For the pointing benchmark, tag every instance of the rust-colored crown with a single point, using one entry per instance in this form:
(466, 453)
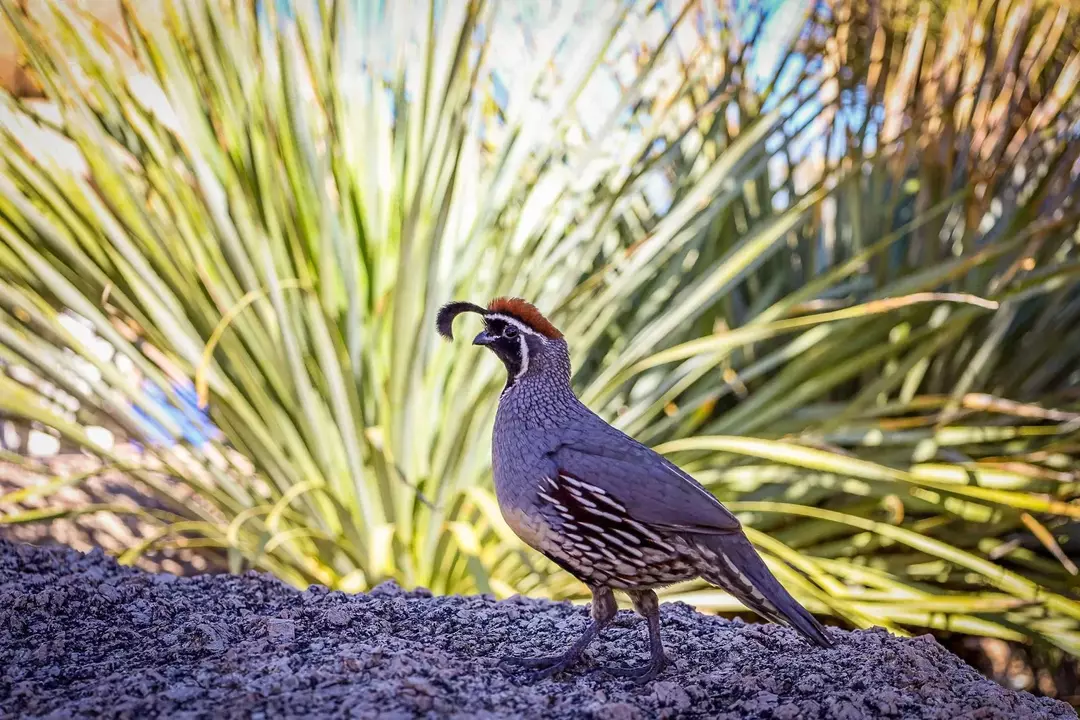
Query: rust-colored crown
(527, 313)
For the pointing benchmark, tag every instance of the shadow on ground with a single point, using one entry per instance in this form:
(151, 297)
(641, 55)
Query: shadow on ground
(81, 636)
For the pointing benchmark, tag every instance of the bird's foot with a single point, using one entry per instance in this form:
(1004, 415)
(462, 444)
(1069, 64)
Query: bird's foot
(543, 666)
(532, 662)
(640, 674)
(548, 666)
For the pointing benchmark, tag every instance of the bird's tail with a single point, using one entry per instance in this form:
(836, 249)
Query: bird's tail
(730, 562)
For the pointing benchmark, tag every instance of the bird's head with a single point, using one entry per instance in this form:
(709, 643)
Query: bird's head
(520, 336)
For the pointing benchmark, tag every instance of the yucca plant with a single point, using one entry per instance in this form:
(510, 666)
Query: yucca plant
(824, 256)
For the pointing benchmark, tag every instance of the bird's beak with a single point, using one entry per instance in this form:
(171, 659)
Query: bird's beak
(483, 339)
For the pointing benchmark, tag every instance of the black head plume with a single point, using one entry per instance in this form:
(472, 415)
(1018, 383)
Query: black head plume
(445, 319)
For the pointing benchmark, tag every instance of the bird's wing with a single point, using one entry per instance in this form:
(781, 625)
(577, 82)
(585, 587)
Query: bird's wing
(653, 490)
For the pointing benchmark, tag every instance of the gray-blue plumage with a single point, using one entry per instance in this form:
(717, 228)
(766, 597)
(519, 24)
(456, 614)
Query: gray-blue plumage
(606, 508)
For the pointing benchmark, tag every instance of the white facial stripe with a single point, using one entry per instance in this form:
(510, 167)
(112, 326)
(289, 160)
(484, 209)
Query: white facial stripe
(524, 358)
(516, 323)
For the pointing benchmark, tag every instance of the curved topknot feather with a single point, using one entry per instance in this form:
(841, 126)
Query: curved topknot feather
(527, 313)
(445, 320)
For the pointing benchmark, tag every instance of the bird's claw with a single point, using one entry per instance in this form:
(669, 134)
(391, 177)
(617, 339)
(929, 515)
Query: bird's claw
(531, 662)
(544, 667)
(640, 674)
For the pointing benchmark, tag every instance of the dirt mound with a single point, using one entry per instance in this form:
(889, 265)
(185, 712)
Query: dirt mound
(81, 636)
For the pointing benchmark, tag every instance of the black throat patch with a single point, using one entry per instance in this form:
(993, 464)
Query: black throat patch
(507, 349)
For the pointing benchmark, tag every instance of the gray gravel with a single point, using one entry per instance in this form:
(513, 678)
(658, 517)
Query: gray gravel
(81, 636)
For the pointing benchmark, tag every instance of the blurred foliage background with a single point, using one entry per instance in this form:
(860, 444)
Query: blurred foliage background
(822, 254)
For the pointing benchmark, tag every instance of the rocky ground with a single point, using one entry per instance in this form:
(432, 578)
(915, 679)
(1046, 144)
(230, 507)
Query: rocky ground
(81, 636)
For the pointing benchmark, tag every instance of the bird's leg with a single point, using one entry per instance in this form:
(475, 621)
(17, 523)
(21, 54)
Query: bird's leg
(602, 611)
(648, 606)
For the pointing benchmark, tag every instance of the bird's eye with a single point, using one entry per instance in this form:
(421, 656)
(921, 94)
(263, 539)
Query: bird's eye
(510, 331)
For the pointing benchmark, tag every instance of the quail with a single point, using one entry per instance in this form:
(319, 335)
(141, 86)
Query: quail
(608, 510)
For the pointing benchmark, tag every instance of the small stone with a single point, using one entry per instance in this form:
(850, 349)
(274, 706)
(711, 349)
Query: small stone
(669, 694)
(182, 693)
(844, 710)
(338, 616)
(787, 711)
(810, 684)
(280, 630)
(419, 684)
(388, 588)
(314, 594)
(617, 711)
